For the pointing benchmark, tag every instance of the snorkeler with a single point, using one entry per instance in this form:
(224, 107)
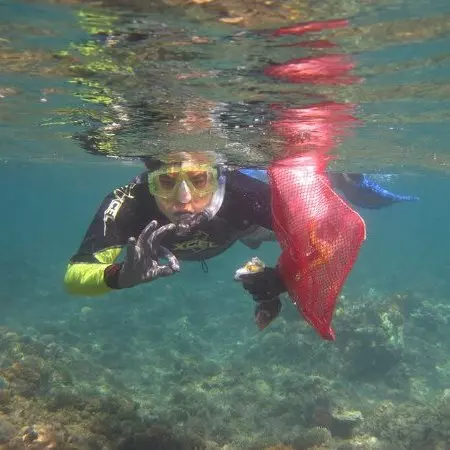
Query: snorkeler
(187, 208)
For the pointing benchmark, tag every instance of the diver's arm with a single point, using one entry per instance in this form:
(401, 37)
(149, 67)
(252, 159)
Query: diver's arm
(85, 275)
(122, 220)
(255, 236)
(248, 202)
(100, 248)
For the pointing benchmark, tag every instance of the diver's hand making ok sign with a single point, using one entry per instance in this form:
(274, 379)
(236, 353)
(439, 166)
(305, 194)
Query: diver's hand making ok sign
(142, 261)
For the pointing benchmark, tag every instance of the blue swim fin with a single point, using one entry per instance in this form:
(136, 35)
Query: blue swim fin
(358, 188)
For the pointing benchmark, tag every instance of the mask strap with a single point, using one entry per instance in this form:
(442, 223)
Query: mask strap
(219, 195)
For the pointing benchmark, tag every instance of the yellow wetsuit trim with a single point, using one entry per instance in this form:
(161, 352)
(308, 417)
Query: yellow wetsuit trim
(87, 278)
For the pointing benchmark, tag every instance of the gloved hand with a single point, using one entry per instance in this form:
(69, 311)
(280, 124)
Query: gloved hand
(141, 263)
(266, 312)
(264, 285)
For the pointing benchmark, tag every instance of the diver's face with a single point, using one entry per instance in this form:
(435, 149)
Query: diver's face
(185, 187)
(184, 202)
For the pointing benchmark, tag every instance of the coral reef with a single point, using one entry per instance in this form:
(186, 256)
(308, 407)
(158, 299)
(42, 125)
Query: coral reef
(284, 389)
(279, 447)
(313, 438)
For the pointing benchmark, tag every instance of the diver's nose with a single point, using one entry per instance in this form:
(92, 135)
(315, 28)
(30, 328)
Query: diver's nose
(184, 194)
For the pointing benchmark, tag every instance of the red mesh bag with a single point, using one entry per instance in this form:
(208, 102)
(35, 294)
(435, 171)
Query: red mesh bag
(324, 69)
(320, 236)
(311, 27)
(319, 233)
(313, 128)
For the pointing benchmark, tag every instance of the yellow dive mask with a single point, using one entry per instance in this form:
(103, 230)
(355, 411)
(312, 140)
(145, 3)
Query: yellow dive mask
(201, 180)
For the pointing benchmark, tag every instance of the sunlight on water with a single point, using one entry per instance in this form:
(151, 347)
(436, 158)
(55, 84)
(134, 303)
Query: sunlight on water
(187, 77)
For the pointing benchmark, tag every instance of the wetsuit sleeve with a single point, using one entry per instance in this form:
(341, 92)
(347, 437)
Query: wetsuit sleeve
(247, 202)
(101, 245)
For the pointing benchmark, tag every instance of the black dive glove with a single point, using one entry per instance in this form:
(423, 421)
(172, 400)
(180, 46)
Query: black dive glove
(265, 288)
(142, 261)
(264, 285)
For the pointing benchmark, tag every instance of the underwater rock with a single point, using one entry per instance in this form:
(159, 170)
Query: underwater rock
(362, 443)
(42, 437)
(273, 340)
(85, 310)
(412, 425)
(156, 437)
(83, 440)
(392, 323)
(211, 445)
(61, 398)
(370, 355)
(279, 447)
(444, 404)
(5, 396)
(7, 431)
(312, 438)
(343, 423)
(193, 441)
(339, 421)
(8, 91)
(320, 413)
(372, 338)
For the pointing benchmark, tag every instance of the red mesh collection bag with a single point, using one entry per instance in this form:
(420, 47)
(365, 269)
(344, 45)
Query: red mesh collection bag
(313, 128)
(324, 69)
(319, 233)
(320, 236)
(311, 27)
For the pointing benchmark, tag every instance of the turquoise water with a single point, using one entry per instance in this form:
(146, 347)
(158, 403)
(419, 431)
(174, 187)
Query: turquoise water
(180, 364)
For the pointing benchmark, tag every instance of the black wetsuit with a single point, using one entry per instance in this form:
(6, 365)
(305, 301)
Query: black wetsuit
(126, 211)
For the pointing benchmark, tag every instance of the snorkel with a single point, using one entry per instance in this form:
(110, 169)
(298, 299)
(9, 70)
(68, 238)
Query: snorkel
(187, 222)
